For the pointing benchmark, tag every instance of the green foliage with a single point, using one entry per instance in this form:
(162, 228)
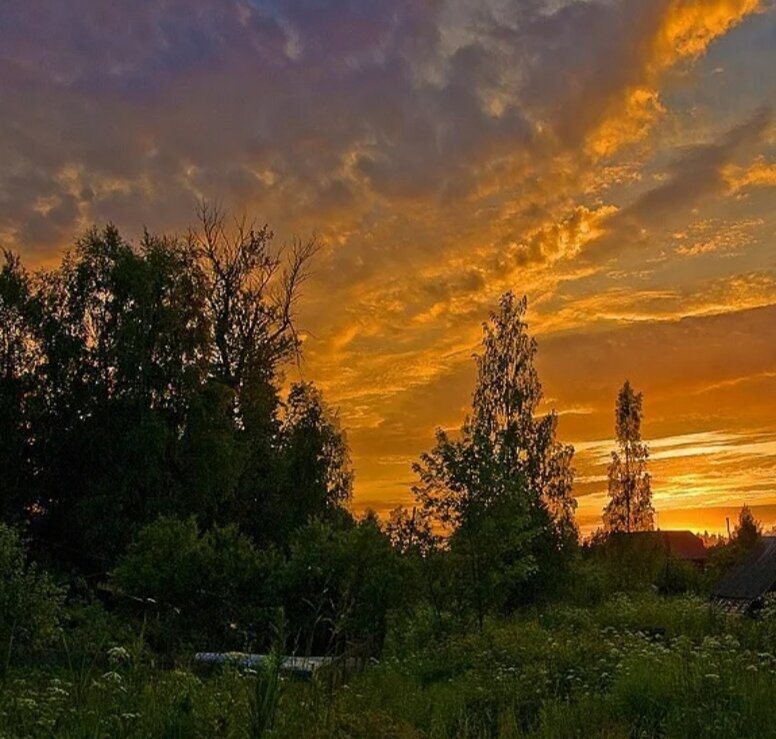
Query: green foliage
(210, 590)
(725, 556)
(315, 440)
(631, 563)
(630, 494)
(340, 584)
(263, 701)
(647, 666)
(318, 478)
(503, 487)
(139, 381)
(748, 530)
(631, 666)
(18, 360)
(30, 602)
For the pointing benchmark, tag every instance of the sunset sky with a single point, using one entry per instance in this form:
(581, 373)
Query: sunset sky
(614, 160)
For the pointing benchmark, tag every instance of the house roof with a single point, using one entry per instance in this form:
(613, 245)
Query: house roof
(684, 545)
(754, 577)
(679, 544)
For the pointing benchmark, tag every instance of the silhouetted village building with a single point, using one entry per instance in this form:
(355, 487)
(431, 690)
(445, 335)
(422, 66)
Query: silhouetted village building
(744, 588)
(678, 545)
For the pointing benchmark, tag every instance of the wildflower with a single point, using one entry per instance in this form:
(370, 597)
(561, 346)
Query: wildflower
(113, 678)
(118, 655)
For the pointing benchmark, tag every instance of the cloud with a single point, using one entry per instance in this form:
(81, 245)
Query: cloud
(444, 151)
(714, 236)
(761, 173)
(695, 174)
(332, 106)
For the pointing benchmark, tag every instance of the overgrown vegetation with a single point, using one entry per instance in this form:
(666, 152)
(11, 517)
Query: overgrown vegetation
(162, 496)
(639, 665)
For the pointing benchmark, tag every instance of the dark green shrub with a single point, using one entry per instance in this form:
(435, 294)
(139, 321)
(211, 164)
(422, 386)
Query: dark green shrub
(340, 584)
(211, 590)
(30, 601)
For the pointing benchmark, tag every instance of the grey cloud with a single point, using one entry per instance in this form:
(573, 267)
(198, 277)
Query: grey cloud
(317, 107)
(695, 174)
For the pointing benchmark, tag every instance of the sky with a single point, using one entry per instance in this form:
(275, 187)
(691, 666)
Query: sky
(613, 160)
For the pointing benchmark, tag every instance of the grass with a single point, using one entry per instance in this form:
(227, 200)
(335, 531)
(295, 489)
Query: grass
(630, 667)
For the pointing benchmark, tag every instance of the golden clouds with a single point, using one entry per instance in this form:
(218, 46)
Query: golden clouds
(563, 239)
(761, 173)
(445, 151)
(689, 26)
(683, 30)
(714, 236)
(624, 305)
(641, 108)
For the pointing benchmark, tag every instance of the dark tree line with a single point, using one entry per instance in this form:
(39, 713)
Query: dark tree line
(149, 448)
(141, 381)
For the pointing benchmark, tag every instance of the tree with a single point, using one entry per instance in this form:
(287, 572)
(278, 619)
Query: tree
(505, 410)
(428, 566)
(630, 505)
(123, 336)
(340, 584)
(141, 380)
(319, 473)
(503, 488)
(305, 473)
(18, 362)
(30, 601)
(747, 531)
(728, 553)
(251, 295)
(212, 588)
(252, 288)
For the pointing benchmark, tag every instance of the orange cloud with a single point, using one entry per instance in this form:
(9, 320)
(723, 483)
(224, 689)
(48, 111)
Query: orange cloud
(683, 31)
(761, 173)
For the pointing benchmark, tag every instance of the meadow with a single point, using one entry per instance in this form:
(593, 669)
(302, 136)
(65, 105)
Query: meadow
(643, 665)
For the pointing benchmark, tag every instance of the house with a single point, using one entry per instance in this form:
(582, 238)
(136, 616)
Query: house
(745, 586)
(683, 545)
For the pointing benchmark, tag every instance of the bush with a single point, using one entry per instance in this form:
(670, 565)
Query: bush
(30, 601)
(212, 590)
(340, 584)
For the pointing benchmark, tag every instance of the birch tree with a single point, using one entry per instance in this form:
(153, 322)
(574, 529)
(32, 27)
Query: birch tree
(630, 492)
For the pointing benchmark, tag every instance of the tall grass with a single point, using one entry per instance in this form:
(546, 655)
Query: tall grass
(267, 685)
(641, 667)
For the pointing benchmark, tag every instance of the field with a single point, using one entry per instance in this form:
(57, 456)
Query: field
(639, 666)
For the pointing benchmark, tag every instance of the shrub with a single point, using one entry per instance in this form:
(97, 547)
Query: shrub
(30, 601)
(340, 584)
(212, 590)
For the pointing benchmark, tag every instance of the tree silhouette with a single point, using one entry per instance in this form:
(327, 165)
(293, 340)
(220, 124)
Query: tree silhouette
(748, 530)
(142, 380)
(503, 488)
(630, 505)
